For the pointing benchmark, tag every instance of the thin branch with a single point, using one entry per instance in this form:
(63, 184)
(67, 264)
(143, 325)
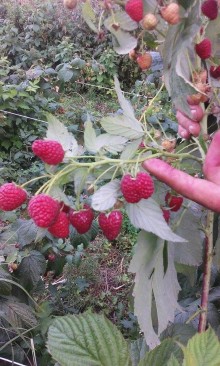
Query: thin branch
(207, 272)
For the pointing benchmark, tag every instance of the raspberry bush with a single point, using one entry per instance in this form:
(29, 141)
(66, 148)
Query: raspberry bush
(110, 167)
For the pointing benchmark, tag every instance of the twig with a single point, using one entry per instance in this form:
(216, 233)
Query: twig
(207, 271)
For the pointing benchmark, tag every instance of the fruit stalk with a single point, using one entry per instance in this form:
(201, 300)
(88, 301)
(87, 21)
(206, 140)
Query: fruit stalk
(208, 255)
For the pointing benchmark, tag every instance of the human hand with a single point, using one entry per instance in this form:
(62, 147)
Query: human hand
(190, 126)
(206, 191)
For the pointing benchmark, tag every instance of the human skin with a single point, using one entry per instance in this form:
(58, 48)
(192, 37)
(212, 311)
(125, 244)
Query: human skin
(206, 191)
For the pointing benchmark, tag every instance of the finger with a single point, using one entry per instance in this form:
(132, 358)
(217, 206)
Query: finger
(183, 132)
(211, 166)
(196, 112)
(188, 124)
(201, 191)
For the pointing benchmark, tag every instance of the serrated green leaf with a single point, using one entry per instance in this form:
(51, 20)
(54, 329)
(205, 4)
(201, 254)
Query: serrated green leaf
(122, 125)
(202, 350)
(89, 15)
(20, 314)
(150, 279)
(161, 354)
(110, 143)
(65, 73)
(138, 350)
(124, 20)
(126, 106)
(190, 252)
(130, 149)
(147, 215)
(87, 340)
(58, 132)
(106, 196)
(90, 137)
(125, 41)
(31, 269)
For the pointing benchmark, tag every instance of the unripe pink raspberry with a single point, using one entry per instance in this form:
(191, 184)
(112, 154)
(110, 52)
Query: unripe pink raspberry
(60, 228)
(49, 151)
(11, 196)
(44, 210)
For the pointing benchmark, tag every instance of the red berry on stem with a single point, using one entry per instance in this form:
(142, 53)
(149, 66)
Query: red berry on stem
(204, 48)
(110, 224)
(210, 9)
(135, 9)
(134, 189)
(60, 229)
(215, 71)
(11, 196)
(82, 220)
(49, 151)
(44, 210)
(174, 202)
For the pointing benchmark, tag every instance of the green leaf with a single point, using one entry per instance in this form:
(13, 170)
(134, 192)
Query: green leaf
(58, 132)
(89, 16)
(125, 42)
(122, 125)
(106, 196)
(105, 141)
(138, 350)
(147, 215)
(79, 177)
(202, 350)
(150, 280)
(87, 340)
(126, 106)
(173, 361)
(161, 354)
(125, 22)
(31, 269)
(130, 149)
(190, 252)
(65, 73)
(17, 314)
(90, 137)
(5, 287)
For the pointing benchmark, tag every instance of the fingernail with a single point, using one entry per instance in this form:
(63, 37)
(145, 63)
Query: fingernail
(194, 113)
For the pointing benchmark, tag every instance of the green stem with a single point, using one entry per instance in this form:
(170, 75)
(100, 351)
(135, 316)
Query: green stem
(207, 272)
(34, 179)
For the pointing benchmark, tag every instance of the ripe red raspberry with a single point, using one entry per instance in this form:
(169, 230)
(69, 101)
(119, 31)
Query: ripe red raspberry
(204, 48)
(44, 210)
(215, 71)
(174, 202)
(144, 61)
(11, 196)
(64, 207)
(110, 224)
(210, 9)
(135, 9)
(49, 151)
(82, 220)
(134, 189)
(60, 229)
(166, 214)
